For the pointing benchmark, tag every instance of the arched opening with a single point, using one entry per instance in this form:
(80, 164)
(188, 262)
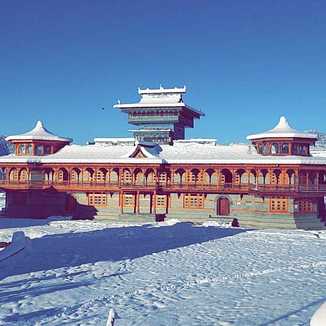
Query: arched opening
(253, 176)
(223, 206)
(210, 177)
(126, 177)
(226, 177)
(23, 175)
(194, 176)
(275, 177)
(291, 177)
(312, 178)
(2, 174)
(179, 176)
(240, 176)
(263, 179)
(48, 175)
(114, 176)
(62, 175)
(75, 175)
(139, 177)
(88, 175)
(322, 178)
(150, 177)
(164, 177)
(101, 175)
(13, 175)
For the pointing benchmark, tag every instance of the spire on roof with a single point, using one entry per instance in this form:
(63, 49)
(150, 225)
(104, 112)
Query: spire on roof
(283, 126)
(282, 129)
(39, 132)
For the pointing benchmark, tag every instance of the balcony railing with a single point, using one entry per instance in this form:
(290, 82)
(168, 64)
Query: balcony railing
(163, 186)
(289, 188)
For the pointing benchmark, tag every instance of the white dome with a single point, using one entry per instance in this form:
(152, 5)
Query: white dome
(39, 132)
(282, 130)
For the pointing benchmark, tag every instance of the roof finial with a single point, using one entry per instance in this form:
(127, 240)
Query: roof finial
(283, 124)
(39, 124)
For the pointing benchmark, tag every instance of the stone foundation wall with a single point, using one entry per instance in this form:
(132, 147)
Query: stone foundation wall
(249, 210)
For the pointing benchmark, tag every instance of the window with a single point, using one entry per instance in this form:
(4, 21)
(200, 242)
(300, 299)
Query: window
(97, 199)
(193, 201)
(128, 200)
(265, 149)
(194, 177)
(100, 176)
(126, 177)
(163, 177)
(279, 205)
(305, 206)
(274, 148)
(39, 150)
(300, 149)
(285, 148)
(2, 174)
(21, 149)
(47, 149)
(29, 149)
(161, 201)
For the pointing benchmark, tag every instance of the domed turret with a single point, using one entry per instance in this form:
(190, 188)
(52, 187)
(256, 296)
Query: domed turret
(37, 142)
(283, 140)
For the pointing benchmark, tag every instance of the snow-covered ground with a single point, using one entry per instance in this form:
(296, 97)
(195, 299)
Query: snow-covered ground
(74, 272)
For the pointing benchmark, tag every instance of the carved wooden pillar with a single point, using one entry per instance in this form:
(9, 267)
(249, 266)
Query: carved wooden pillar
(132, 171)
(120, 176)
(202, 177)
(136, 209)
(150, 203)
(171, 179)
(55, 175)
(154, 202)
(218, 177)
(108, 176)
(121, 195)
(168, 200)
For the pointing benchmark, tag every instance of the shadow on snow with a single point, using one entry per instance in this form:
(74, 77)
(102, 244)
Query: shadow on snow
(111, 244)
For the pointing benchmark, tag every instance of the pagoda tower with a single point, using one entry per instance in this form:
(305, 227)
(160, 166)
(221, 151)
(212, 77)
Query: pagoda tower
(161, 115)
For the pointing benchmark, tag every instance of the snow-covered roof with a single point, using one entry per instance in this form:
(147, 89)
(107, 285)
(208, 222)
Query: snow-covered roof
(282, 130)
(192, 152)
(39, 132)
(115, 141)
(212, 141)
(159, 98)
(162, 90)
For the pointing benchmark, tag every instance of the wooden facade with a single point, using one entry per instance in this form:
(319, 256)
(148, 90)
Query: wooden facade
(276, 184)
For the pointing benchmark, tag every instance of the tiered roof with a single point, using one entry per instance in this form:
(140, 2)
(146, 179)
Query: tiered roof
(160, 98)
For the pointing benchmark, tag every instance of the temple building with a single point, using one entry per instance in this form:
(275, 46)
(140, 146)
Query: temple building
(274, 181)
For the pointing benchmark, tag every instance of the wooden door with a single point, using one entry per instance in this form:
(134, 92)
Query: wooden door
(223, 207)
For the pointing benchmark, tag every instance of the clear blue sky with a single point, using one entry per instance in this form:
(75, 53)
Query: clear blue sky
(244, 63)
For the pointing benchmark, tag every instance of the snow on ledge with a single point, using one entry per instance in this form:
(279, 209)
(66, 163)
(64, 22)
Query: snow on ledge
(18, 243)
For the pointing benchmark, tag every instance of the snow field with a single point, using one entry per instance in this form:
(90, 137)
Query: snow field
(169, 273)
